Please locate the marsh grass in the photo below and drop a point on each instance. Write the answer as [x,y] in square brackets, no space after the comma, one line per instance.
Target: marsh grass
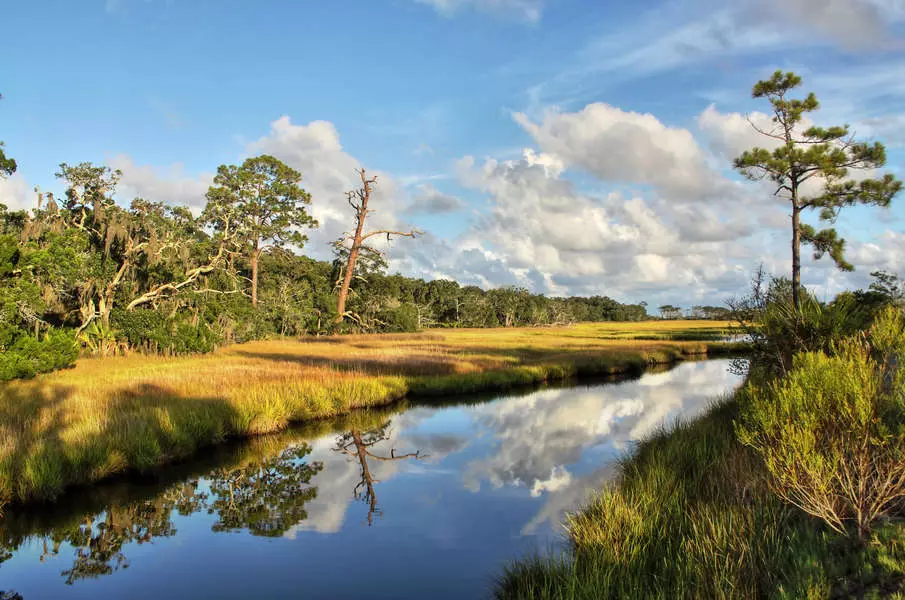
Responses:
[111,415]
[692,516]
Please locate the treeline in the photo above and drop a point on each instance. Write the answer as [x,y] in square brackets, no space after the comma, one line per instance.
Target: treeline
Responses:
[80,272]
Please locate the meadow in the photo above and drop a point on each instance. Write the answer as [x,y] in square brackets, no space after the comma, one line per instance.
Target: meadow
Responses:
[118,414]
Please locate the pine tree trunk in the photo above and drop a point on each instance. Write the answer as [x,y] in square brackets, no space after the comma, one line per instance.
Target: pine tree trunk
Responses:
[796,258]
[255,255]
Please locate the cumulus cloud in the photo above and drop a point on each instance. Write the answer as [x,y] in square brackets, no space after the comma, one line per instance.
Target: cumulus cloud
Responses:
[885,253]
[328,172]
[431,201]
[525,10]
[621,146]
[171,185]
[535,228]
[541,231]
[732,133]
[15,193]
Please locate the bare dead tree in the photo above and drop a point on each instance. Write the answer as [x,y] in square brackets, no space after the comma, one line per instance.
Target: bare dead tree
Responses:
[358,199]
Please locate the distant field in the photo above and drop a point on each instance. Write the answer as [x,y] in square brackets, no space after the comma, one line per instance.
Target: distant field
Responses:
[108,415]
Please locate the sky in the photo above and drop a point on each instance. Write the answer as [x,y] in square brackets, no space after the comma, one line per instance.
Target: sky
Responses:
[572,147]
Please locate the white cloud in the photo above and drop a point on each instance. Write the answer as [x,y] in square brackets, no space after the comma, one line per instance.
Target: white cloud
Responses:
[885,253]
[171,185]
[536,229]
[731,134]
[525,10]
[15,193]
[328,172]
[621,146]
[541,232]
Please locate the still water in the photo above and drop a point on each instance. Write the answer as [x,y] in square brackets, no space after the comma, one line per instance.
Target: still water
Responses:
[421,501]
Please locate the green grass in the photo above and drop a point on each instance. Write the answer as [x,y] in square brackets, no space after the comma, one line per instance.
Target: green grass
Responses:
[691,516]
[112,415]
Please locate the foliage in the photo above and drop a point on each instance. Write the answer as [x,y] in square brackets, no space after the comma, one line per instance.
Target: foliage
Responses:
[267,497]
[28,356]
[888,288]
[28,345]
[832,431]
[777,330]
[153,278]
[258,206]
[819,157]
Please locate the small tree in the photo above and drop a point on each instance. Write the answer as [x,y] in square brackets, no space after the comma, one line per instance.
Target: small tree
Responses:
[355,244]
[668,311]
[888,286]
[260,204]
[824,155]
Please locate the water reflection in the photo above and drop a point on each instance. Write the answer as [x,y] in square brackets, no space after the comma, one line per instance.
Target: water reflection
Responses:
[468,485]
[266,497]
[357,444]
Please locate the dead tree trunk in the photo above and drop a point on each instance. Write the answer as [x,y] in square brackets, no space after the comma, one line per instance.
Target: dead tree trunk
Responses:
[358,200]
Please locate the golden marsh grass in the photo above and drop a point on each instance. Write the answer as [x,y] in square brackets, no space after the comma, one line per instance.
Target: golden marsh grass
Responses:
[110,415]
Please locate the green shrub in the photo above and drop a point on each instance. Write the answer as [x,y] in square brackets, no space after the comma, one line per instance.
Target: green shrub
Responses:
[400,319]
[28,355]
[153,331]
[778,330]
[832,431]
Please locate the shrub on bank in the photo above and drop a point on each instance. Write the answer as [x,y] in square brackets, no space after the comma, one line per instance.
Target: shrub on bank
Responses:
[832,431]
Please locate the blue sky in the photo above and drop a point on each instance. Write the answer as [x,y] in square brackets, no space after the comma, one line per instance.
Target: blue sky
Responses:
[570,146]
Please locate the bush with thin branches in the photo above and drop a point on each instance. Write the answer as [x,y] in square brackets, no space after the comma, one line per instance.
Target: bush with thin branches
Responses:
[832,431]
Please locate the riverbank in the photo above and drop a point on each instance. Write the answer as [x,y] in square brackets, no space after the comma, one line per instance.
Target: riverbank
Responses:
[692,516]
[112,415]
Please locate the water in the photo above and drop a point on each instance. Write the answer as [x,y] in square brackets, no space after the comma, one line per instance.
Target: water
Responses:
[425,501]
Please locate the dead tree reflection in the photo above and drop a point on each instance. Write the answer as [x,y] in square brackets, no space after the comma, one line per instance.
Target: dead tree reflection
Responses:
[357,444]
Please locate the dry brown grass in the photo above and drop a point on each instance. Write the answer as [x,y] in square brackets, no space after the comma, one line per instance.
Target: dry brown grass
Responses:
[108,415]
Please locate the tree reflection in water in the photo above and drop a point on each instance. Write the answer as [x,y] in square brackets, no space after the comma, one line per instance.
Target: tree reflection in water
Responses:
[357,444]
[266,498]
[265,494]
